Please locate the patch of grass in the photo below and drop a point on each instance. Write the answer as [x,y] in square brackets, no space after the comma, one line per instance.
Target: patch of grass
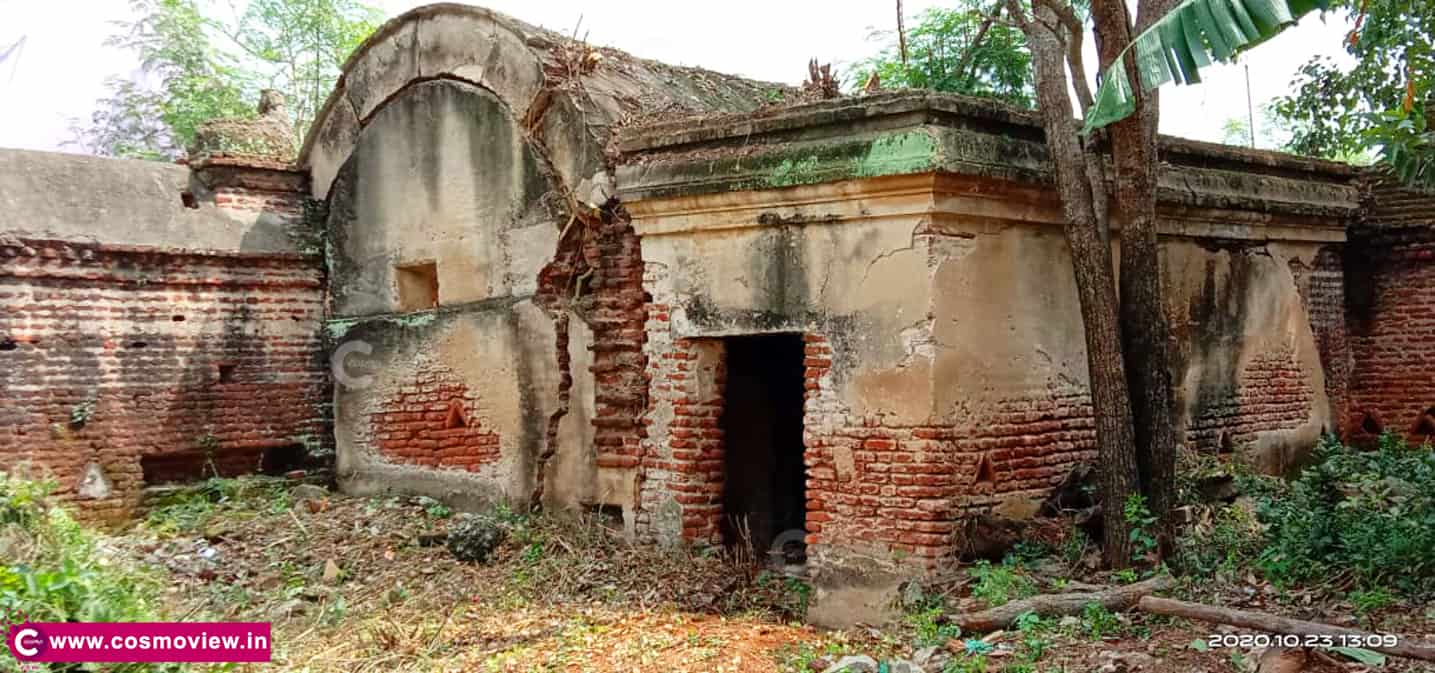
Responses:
[930,627]
[56,570]
[1371,600]
[967,664]
[1000,584]
[190,509]
[1099,622]
[799,657]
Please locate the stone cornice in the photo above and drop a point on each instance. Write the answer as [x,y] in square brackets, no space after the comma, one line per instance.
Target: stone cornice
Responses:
[943,204]
[974,142]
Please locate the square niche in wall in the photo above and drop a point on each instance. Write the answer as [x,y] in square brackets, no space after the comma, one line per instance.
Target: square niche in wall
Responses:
[418,285]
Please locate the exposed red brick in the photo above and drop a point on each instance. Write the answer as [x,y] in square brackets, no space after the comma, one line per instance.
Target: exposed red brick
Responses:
[190,359]
[1271,394]
[432,421]
[1391,290]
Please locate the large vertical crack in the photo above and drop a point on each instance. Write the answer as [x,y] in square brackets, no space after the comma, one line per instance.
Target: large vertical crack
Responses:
[555,419]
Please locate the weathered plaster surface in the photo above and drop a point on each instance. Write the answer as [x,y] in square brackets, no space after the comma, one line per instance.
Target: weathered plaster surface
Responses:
[74,197]
[911,240]
[463,138]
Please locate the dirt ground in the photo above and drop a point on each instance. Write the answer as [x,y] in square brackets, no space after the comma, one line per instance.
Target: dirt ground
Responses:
[362,585]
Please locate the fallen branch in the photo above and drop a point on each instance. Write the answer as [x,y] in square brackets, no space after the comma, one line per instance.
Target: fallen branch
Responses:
[1273,624]
[1115,598]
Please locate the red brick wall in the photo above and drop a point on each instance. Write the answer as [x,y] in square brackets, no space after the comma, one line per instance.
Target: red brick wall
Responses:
[434,422]
[181,354]
[1392,325]
[603,261]
[873,485]
[1323,294]
[683,457]
[1271,394]
[884,487]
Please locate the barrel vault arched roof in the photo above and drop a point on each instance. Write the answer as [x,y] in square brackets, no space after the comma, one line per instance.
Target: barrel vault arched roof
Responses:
[569,97]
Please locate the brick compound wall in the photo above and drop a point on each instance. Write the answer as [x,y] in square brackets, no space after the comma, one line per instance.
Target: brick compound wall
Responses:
[121,366]
[1390,266]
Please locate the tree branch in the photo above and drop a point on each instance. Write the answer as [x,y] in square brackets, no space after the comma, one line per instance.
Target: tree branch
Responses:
[1073,39]
[901,34]
[969,56]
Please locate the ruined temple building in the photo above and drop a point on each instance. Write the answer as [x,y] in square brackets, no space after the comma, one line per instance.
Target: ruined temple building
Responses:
[505,265]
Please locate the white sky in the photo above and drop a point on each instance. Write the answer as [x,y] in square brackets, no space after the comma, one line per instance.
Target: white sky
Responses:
[61,70]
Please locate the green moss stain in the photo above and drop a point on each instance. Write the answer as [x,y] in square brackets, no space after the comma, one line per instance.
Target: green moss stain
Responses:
[907,152]
[902,153]
[336,329]
[339,327]
[800,172]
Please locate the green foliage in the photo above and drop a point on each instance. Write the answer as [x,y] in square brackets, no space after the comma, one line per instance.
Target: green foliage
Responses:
[187,80]
[56,571]
[298,46]
[202,59]
[997,585]
[969,664]
[1372,600]
[1188,37]
[1142,522]
[1033,643]
[190,509]
[1099,622]
[931,627]
[434,508]
[1406,145]
[960,50]
[1370,514]
[1338,111]
[1222,543]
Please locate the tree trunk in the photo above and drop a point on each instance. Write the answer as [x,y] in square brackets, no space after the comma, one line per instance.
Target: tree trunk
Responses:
[1144,327]
[1095,284]
[1117,599]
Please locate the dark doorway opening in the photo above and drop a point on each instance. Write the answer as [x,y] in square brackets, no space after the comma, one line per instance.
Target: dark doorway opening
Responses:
[765,479]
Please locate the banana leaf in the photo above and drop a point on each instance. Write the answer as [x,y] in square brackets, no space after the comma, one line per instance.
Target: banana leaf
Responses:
[1190,37]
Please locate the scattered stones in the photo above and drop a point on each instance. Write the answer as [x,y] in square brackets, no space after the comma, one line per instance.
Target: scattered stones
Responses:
[306,492]
[924,656]
[472,538]
[854,664]
[1125,662]
[914,594]
[331,572]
